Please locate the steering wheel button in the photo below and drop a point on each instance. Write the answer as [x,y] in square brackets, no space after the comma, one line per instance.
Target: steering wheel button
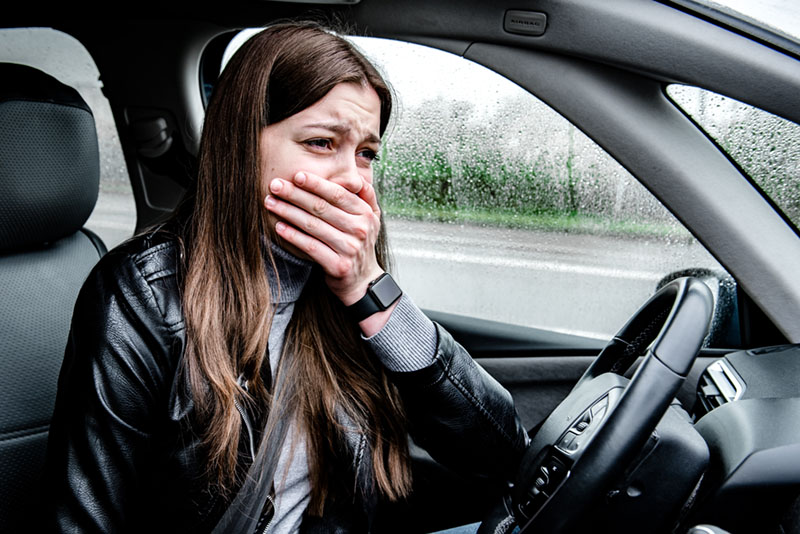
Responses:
[544,477]
[566,441]
[553,471]
[555,467]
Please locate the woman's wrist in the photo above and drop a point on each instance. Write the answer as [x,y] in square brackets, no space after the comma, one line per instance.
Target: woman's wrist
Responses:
[375,304]
[375,322]
[407,341]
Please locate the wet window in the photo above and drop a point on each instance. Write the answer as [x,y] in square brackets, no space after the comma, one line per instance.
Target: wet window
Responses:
[765,146]
[499,208]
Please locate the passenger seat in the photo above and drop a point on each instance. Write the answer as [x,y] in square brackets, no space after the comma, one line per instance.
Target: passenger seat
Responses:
[49,177]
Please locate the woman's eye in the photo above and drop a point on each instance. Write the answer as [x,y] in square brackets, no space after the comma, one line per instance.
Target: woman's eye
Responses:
[319,143]
[369,154]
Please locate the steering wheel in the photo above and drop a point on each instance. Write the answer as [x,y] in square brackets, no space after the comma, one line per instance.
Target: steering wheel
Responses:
[605,421]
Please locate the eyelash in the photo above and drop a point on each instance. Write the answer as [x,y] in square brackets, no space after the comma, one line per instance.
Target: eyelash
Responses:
[319,142]
[371,155]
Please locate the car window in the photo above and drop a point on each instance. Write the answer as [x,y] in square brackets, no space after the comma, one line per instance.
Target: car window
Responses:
[65,58]
[498,208]
[765,146]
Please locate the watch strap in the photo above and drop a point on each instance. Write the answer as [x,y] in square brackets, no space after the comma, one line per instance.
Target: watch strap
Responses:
[381,293]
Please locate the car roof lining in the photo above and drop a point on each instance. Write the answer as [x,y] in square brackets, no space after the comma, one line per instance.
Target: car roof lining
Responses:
[655,36]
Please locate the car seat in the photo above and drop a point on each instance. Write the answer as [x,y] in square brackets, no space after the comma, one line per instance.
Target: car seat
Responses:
[49,179]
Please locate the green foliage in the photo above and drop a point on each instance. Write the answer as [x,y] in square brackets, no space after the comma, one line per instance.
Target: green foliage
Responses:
[519,164]
[481,182]
[482,185]
[584,224]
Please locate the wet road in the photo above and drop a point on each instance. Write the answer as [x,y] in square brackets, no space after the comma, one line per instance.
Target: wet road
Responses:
[580,284]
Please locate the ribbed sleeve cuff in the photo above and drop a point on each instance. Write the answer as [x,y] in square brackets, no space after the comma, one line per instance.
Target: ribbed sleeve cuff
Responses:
[407,342]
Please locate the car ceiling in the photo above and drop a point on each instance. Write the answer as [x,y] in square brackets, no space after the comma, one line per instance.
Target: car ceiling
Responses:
[601,64]
[644,36]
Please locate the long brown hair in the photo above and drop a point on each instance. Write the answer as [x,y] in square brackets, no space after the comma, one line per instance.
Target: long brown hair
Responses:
[226,295]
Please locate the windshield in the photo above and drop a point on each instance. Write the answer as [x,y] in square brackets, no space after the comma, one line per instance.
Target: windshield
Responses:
[775,21]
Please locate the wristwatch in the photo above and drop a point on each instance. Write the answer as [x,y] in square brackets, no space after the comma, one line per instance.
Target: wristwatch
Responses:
[381,293]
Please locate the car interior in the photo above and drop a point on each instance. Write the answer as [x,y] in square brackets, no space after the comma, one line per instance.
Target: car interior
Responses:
[659,428]
[50,177]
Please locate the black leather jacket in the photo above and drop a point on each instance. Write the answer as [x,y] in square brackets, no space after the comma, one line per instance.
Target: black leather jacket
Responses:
[122,455]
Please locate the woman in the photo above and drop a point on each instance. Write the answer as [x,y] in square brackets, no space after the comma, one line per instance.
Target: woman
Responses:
[231,371]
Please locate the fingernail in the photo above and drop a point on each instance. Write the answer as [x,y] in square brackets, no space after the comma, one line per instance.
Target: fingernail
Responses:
[276,185]
[300,178]
[270,201]
[280,227]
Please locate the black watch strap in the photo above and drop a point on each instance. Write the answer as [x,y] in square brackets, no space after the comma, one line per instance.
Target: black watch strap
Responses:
[381,293]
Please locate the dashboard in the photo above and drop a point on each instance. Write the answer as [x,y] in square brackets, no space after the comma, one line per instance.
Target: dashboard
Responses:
[748,413]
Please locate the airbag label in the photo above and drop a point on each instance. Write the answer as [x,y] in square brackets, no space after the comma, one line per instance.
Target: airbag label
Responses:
[525,22]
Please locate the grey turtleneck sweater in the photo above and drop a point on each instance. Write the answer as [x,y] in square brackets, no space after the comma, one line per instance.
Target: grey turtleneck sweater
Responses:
[407,342]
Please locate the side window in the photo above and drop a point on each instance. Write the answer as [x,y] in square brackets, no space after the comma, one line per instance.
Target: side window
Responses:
[765,146]
[64,58]
[498,208]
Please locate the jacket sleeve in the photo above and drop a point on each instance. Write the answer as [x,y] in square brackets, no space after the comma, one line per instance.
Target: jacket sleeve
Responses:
[461,415]
[110,386]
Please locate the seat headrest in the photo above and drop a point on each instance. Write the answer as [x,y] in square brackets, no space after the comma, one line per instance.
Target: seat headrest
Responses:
[49,160]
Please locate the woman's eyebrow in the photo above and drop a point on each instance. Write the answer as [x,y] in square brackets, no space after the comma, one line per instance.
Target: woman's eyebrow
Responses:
[343,129]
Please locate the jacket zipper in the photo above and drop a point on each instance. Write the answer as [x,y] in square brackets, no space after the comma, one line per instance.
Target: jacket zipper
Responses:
[246,419]
[249,427]
[266,527]
[253,455]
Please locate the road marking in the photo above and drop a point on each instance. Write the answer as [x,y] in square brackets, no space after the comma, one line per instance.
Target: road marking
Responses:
[536,265]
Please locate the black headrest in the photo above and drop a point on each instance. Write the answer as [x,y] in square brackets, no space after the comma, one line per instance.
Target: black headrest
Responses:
[49,161]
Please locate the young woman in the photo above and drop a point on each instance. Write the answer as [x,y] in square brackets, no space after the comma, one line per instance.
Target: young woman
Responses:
[249,366]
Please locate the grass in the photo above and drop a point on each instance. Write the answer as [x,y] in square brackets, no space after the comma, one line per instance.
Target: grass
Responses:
[561,222]
[492,188]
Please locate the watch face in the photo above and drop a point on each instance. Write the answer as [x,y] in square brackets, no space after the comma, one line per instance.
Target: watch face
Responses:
[386,291]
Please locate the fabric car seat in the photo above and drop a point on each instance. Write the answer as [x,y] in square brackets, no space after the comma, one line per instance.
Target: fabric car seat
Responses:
[49,179]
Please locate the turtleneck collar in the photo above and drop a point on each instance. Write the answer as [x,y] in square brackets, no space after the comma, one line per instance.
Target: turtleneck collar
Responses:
[290,274]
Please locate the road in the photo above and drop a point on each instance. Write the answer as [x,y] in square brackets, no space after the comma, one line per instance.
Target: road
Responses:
[580,284]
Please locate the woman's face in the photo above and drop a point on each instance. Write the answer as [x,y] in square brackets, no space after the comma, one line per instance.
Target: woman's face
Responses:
[337,139]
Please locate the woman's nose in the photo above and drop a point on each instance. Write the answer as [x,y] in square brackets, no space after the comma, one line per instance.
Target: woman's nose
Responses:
[347,175]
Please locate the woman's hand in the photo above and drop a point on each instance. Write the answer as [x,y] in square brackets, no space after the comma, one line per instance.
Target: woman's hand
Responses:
[334,226]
